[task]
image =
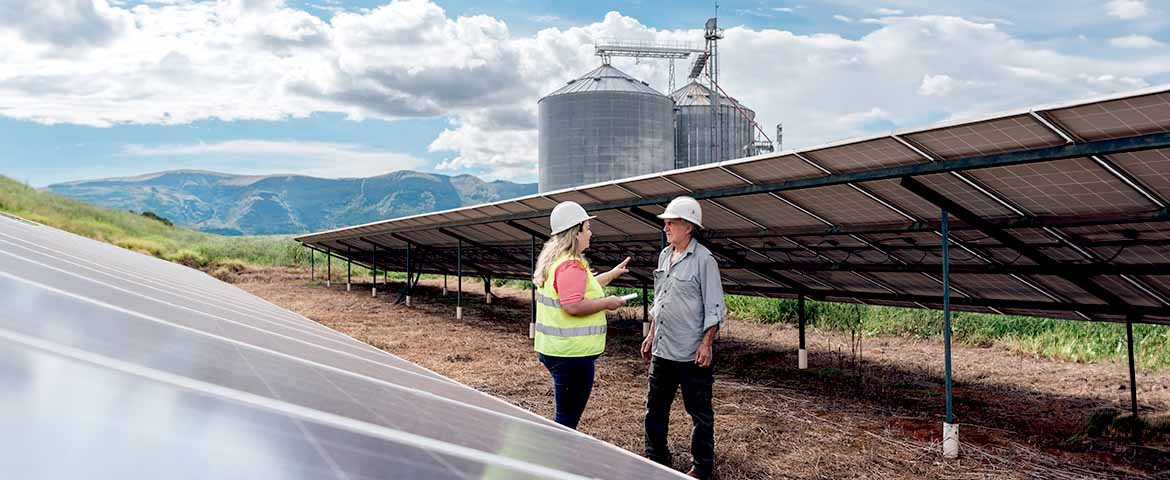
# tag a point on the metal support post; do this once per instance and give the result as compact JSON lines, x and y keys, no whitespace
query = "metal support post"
{"x":409,"y":272}
{"x":801,"y":319}
{"x":374,"y":272}
{"x":444,"y":284}
{"x":348,"y":269}
{"x":645,"y":312}
{"x":459,"y":274}
{"x":487,"y":290}
{"x":312,"y":265}
{"x":531,"y":276}
{"x":950,"y":429}
{"x":1133,"y":405}
{"x":328,"y":267}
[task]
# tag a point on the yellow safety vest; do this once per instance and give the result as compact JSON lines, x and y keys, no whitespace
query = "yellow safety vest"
{"x":559,"y":334}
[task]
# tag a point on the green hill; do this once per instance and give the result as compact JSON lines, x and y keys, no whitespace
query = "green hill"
{"x":143,"y":233}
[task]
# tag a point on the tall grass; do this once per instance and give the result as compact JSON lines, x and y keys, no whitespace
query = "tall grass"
{"x":1070,"y":340}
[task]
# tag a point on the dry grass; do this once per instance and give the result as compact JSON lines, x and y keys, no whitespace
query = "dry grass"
{"x":877,"y":416}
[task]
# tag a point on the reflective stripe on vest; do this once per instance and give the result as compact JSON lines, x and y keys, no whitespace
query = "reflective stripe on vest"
{"x":548,"y":301}
{"x":570,"y":332}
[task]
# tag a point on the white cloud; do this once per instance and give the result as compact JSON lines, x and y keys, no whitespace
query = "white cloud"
{"x":544,"y":18}
{"x":318,"y":159}
{"x":936,"y":85}
{"x":183,"y":62}
{"x":887,"y":11}
{"x":1127,"y":9}
{"x":843,"y":18}
{"x":1135,"y":41}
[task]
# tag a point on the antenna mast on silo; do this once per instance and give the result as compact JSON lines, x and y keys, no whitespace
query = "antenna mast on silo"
{"x":712,"y":34}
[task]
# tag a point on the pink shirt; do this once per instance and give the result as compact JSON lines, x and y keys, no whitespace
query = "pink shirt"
{"x":569,"y":281}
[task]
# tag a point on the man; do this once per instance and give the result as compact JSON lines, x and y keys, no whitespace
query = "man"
{"x":688,"y":310}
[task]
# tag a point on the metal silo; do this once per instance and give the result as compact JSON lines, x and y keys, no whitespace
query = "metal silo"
{"x":602,"y":126}
{"x":693,"y":135}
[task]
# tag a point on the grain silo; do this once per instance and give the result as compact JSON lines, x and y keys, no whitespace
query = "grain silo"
{"x":693,"y":132}
{"x":602,"y":126}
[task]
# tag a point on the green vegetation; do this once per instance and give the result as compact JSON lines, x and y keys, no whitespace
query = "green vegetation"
{"x":224,"y":256}
{"x":1062,"y":339}
{"x":146,"y":233}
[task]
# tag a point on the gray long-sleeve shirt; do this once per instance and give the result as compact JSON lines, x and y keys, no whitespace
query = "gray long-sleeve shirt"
{"x":688,"y":300}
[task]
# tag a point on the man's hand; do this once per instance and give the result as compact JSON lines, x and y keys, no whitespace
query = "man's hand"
{"x":647,"y":347}
{"x":703,"y":357}
{"x":621,"y":269}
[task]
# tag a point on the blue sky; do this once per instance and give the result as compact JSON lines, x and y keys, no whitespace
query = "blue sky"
{"x":93,"y":89}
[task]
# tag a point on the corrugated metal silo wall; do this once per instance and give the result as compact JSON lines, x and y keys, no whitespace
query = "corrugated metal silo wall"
{"x":593,"y":137}
{"x":693,"y":139}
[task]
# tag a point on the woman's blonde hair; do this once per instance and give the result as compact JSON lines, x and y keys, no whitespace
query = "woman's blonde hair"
{"x":564,"y":243}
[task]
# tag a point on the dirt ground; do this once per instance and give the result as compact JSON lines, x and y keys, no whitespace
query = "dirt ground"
{"x":878,"y":416}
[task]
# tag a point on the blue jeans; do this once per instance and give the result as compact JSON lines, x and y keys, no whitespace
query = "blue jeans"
{"x":572,"y":384}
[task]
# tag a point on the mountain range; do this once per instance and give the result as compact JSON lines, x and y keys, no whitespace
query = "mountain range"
{"x":229,"y":204}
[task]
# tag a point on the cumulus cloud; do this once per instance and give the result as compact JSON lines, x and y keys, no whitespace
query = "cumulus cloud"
{"x":1134,"y":41}
{"x":164,"y":63}
{"x":1127,"y":9}
{"x":887,"y":11}
{"x":318,"y":159}
{"x":936,"y":85}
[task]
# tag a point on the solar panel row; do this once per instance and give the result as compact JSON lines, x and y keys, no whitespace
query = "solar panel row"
{"x":1069,"y":209}
{"x":120,"y":365}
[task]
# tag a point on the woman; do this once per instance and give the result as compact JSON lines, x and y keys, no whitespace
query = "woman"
{"x":570,"y":310}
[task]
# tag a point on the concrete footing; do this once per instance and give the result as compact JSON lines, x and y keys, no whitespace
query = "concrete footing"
{"x":950,"y":440}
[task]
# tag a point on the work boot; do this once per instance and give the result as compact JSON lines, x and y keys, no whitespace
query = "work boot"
{"x":695,"y":474}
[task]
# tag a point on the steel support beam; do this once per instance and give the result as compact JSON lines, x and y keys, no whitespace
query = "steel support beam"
{"x":950,"y":429}
{"x":1133,"y":403}
{"x":532,"y":290}
{"x":459,"y":273}
{"x":1007,"y":239}
{"x":801,"y":319}
{"x":1061,"y":152}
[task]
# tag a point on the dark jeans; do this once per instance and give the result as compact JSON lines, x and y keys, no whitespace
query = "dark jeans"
{"x":665,"y":378}
{"x":572,"y":384}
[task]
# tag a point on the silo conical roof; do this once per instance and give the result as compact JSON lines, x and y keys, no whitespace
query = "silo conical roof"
{"x":605,"y":78}
{"x":697,"y":94}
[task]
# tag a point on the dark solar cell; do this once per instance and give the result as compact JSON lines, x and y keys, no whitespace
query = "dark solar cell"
{"x":842,"y":205}
{"x":1117,"y":118}
{"x":987,"y":137}
{"x":881,"y":152}
{"x":1065,"y":187}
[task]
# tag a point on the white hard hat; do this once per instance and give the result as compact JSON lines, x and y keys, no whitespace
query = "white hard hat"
{"x":566,"y":215}
{"x":685,"y":208}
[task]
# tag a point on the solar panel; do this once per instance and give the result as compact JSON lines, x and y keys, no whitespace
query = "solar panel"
{"x":119,"y":364}
{"x":1031,"y":193}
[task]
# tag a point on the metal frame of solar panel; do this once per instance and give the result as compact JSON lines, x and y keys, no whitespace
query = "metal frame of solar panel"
{"x":1059,"y":211}
{"x":119,"y":365}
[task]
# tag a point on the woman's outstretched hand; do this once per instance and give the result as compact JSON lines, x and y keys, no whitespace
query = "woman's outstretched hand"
{"x":621,"y":269}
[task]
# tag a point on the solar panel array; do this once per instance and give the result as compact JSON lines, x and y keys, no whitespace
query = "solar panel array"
{"x":1058,"y":212}
{"x":119,"y":365}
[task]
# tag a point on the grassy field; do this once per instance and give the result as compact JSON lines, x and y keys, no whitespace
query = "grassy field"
{"x":1067,"y":340}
